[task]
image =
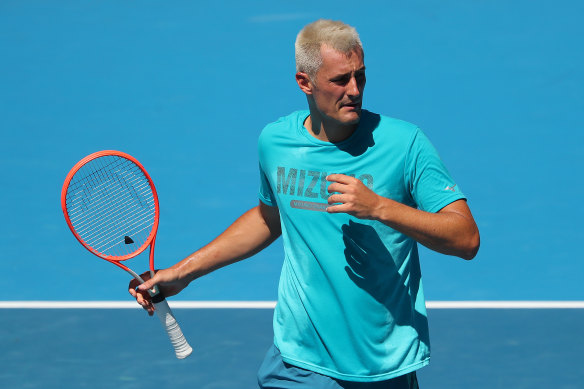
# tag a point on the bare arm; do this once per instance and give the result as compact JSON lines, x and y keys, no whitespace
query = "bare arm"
{"x":452,"y":230}
{"x":250,"y":233}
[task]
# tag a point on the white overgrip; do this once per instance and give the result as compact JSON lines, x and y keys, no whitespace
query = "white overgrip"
{"x":178,"y":340}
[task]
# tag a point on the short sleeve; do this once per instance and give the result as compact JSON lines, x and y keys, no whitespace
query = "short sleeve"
{"x":266,"y":194}
{"x":430,"y":185}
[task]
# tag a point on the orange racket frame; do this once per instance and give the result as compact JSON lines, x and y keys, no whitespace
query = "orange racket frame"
{"x":150,"y":241}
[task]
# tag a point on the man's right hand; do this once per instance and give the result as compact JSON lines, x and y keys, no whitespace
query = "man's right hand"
{"x":168,"y":283}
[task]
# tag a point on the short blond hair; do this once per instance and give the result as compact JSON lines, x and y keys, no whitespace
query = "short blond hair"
{"x":336,"y":34}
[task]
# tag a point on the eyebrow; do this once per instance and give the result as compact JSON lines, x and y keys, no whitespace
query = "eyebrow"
{"x":360,"y":70}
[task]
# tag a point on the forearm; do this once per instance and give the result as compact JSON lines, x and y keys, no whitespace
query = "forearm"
{"x":451,"y":231}
{"x":249,"y":234}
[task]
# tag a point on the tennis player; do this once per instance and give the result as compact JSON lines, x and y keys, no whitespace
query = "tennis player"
{"x":351,"y":192}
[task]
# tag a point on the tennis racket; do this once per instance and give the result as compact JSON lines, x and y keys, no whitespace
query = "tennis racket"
{"x":111,"y":206}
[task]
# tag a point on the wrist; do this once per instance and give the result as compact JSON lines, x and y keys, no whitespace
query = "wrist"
{"x":383,"y":210}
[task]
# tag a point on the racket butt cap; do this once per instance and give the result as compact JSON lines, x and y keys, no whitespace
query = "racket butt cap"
{"x":184,"y":353}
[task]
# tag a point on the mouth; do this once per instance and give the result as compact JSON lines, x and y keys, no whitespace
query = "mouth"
{"x":351,"y":106}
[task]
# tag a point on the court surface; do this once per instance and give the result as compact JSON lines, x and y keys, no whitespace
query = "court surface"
{"x":186,"y":87}
{"x":93,"y":348}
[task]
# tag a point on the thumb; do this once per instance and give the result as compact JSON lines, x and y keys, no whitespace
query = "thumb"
{"x":148,"y":284}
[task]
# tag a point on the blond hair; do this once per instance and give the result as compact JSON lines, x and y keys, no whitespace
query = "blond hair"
{"x":336,"y":34}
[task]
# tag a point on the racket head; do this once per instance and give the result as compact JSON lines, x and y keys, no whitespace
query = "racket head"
{"x":111,"y":205}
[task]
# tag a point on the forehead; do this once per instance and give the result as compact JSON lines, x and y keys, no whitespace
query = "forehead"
{"x":336,"y":62}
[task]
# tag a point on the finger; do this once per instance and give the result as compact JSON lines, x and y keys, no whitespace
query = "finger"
{"x":337,"y":187}
{"x":340,"y":208}
{"x":342,"y":178}
{"x":148,"y":284}
{"x":145,"y":301}
{"x":336,"y":198}
{"x":143,"y":298}
{"x":147,"y":306}
{"x":133,"y":284}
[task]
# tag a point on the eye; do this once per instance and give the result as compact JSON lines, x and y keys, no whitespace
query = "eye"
{"x":343,"y":80}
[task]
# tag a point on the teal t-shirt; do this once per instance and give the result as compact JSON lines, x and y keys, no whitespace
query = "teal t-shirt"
{"x":350,"y":298}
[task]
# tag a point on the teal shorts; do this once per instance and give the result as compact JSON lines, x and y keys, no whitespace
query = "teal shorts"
{"x":274,"y":373}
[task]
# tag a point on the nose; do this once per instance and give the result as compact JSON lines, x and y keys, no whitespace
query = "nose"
{"x":353,"y":87}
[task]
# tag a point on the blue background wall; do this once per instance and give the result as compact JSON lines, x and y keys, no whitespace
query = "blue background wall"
{"x":186,"y":87}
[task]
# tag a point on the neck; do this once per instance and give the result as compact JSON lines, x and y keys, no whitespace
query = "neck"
{"x":328,"y":130}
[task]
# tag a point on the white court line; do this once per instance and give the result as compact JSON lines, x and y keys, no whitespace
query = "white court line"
{"x":505,"y":304}
{"x":272,"y":304}
{"x":133,"y":304}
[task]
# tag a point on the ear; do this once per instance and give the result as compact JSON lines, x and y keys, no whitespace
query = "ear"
{"x":304,"y":82}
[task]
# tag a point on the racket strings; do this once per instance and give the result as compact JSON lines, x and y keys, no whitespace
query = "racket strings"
{"x":116,"y":239}
{"x":102,"y":209}
{"x":90,"y":172}
{"x":117,"y":212}
{"x":81,"y":209}
{"x":123,"y":193}
{"x":108,"y":199}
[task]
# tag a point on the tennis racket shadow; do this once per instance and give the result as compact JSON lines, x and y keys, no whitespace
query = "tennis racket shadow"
{"x":372,"y":267}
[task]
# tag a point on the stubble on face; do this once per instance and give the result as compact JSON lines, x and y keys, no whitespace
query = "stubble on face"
{"x":337,"y":91}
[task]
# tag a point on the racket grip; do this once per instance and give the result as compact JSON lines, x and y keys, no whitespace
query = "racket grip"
{"x":178,"y":340}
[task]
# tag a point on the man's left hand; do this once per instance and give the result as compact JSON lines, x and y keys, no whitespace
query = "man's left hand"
{"x":350,"y":195}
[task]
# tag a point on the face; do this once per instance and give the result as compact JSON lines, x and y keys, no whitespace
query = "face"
{"x":338,"y":88}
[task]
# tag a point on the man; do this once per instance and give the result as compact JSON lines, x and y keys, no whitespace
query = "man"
{"x":351,"y":192}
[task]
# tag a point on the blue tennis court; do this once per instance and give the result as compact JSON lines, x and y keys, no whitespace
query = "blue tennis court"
{"x":92,"y":348}
{"x":186,"y":88}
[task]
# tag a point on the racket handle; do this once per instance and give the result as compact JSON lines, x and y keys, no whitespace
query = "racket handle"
{"x":178,"y":340}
